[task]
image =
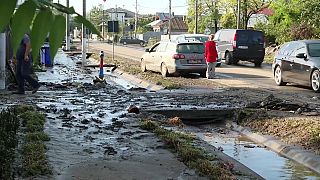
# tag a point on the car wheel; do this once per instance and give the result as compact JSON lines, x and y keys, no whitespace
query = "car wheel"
{"x":315,"y":81}
{"x":203,"y":74}
{"x":164,"y":70}
{"x":278,"y":76}
{"x":258,"y":62}
{"x":141,"y":43}
{"x":218,"y":65}
{"x":143,"y":66}
{"x":228,"y":58}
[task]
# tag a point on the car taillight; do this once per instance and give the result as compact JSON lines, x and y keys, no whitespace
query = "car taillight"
{"x":178,"y":56}
{"x":234,"y":43}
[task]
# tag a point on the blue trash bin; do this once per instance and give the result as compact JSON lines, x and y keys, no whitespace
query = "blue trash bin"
{"x":45,"y":55}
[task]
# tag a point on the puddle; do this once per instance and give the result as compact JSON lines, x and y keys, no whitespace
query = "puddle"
{"x":263,"y":161}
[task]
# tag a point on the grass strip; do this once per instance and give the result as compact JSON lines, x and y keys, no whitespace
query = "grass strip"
{"x":9,"y":124}
{"x":193,"y":157}
{"x":33,"y":150}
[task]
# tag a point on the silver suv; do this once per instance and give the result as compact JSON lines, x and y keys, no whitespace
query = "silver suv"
{"x":175,"y":58}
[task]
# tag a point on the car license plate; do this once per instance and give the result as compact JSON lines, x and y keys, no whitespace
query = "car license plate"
{"x":243,"y":47}
{"x":194,"y":61}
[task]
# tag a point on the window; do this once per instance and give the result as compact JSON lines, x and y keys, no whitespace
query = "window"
{"x":162,"y":47}
{"x":154,"y":48}
{"x":190,"y":48}
{"x":283,"y":48}
{"x":299,"y":50}
{"x":314,"y":49}
{"x":257,"y":37}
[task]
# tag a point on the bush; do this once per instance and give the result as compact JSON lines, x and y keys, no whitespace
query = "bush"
{"x":302,"y":31}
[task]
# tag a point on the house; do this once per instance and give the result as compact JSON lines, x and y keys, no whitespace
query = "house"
{"x":120,"y":14}
{"x":178,"y":25}
{"x":261,"y":16}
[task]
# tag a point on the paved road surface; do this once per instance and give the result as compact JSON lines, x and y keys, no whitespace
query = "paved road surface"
{"x":242,"y":75}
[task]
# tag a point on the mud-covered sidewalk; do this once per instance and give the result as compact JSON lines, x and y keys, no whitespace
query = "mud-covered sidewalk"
{"x":92,"y":135}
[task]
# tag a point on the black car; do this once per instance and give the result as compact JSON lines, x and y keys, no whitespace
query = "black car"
{"x":131,"y":40}
{"x":298,"y":62}
{"x":234,"y":45}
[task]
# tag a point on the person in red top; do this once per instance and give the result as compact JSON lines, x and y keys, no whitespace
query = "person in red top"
{"x":211,"y":56}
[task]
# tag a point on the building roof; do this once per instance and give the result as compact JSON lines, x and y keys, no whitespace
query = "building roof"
{"x":266,"y":11}
{"x":177,"y":23}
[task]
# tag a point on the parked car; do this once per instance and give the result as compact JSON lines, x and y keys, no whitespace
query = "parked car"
{"x":298,"y":62}
{"x":234,"y":45}
{"x":131,"y":40}
{"x":196,"y":37}
{"x":175,"y":58}
{"x":199,"y":37}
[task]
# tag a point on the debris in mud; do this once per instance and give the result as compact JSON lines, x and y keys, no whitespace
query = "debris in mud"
{"x":176,"y":121}
{"x":249,"y":146}
{"x":273,"y":103}
{"x":85,"y":121}
{"x":133,"y":109}
{"x":110,"y":150}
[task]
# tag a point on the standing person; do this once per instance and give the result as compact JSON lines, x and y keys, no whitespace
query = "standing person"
{"x":24,"y":65}
{"x":211,"y":56}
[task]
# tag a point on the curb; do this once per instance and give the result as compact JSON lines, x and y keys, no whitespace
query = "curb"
{"x":304,"y":157}
{"x":141,"y":83}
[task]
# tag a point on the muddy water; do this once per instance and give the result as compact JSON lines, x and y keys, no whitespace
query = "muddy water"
{"x":260,"y":159}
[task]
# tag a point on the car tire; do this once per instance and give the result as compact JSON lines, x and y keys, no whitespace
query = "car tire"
{"x":228,"y":58}
{"x":143,"y":66}
{"x":278,"y":76}
{"x":203,"y":74}
{"x":164,"y":70}
{"x":258,"y":62}
{"x":218,"y":65}
{"x":315,"y":81}
{"x":142,"y":44}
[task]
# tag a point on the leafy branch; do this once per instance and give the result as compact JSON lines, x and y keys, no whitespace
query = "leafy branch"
{"x":37,"y":17}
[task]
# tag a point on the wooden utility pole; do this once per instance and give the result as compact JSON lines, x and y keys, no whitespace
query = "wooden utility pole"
{"x":136,"y":20}
{"x":169,"y":29}
{"x":238,"y":16}
{"x":196,"y":18}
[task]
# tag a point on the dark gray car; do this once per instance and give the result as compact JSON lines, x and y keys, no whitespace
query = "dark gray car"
{"x":298,"y":62}
{"x":131,"y":40}
{"x":234,"y":45}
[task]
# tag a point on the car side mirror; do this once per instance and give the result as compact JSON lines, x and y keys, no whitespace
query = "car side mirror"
{"x":147,"y":50}
{"x":301,"y":55}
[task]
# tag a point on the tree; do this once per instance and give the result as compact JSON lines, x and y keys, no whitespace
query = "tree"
{"x":96,"y":16}
{"x":38,"y":15}
{"x":143,"y":24}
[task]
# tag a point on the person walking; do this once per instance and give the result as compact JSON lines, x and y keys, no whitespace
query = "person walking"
{"x":211,"y":56}
{"x":24,"y":65}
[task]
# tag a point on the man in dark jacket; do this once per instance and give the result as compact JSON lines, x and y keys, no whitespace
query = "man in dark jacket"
{"x":24,"y":65}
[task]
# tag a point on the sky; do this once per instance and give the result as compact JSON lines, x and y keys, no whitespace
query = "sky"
{"x":179,"y":7}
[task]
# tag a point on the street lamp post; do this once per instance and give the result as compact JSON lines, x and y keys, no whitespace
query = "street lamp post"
{"x":83,"y":47}
{"x":67,"y":28}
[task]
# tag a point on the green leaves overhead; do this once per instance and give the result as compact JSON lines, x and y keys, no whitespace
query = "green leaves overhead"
{"x":44,"y":24}
{"x":82,"y":20}
{"x":40,"y":30}
{"x":21,"y":22}
{"x":6,"y":9}
{"x":56,"y":34}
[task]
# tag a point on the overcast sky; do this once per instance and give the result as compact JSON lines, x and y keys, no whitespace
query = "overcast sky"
{"x":179,"y":7}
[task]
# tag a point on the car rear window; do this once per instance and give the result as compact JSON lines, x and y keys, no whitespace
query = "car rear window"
{"x":314,"y":49}
{"x":197,"y":38}
{"x":190,"y":48}
{"x":254,"y":37}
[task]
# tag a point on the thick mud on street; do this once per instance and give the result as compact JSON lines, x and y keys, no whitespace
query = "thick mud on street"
{"x":95,"y":133}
